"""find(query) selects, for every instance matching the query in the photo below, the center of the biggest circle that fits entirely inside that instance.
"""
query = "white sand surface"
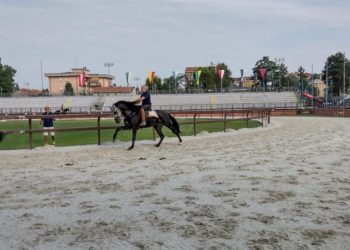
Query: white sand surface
(285, 186)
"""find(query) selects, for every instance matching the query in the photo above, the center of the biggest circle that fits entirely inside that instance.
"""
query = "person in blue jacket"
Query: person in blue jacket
(47, 123)
(145, 98)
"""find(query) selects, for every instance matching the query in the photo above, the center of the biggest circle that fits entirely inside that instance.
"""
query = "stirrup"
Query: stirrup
(143, 124)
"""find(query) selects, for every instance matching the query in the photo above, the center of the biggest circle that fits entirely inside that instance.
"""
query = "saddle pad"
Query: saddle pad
(152, 114)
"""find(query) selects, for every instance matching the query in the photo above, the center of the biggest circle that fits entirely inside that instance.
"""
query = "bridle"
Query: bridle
(117, 114)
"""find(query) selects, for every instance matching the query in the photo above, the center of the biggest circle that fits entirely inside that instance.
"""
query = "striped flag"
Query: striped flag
(82, 79)
(262, 72)
(128, 76)
(175, 73)
(242, 74)
(197, 74)
(221, 73)
(151, 76)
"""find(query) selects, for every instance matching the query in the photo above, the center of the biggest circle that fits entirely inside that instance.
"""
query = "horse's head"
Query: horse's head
(116, 112)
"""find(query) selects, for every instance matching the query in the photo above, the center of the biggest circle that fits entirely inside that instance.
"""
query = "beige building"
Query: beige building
(114, 90)
(248, 82)
(321, 86)
(58, 81)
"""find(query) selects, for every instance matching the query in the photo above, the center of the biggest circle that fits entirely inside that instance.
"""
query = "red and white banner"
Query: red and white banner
(81, 79)
(221, 73)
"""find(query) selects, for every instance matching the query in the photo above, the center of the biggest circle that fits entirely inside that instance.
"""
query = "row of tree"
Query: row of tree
(7, 80)
(266, 73)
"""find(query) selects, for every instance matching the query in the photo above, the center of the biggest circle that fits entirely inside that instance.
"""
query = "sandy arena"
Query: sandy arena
(285, 186)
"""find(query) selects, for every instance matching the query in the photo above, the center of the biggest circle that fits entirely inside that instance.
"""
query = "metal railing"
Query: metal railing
(180, 107)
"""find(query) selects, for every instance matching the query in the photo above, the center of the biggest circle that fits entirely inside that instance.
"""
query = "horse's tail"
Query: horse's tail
(2, 135)
(174, 123)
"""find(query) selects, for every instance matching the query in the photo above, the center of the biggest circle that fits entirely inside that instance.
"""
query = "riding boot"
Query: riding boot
(143, 118)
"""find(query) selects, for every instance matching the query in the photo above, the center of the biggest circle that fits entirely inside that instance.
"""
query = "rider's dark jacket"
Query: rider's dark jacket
(146, 102)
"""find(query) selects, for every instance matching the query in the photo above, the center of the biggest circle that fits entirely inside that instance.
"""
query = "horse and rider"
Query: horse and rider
(136, 117)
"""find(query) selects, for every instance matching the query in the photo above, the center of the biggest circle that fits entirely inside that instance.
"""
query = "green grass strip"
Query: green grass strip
(21, 141)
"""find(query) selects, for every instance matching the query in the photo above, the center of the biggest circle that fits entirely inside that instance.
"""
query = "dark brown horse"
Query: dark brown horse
(130, 113)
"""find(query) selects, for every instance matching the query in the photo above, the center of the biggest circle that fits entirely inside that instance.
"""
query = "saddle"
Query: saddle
(151, 113)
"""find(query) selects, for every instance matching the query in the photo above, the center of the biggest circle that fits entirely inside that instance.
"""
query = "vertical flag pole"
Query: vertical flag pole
(175, 87)
(221, 73)
(221, 85)
(344, 68)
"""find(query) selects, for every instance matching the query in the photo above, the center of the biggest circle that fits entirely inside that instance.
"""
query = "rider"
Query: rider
(145, 98)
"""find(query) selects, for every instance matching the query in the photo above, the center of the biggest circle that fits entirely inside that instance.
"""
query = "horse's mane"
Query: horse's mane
(129, 105)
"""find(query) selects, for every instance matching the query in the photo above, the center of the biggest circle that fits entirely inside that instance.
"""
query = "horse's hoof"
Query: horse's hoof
(130, 148)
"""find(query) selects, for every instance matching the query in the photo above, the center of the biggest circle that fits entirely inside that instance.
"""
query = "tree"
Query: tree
(336, 72)
(7, 82)
(302, 78)
(168, 83)
(276, 73)
(156, 84)
(68, 89)
(180, 82)
(301, 74)
(208, 79)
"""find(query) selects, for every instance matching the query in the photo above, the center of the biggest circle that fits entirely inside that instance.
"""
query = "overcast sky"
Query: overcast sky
(165, 35)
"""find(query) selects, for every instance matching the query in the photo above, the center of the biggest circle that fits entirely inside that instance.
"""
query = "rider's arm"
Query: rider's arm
(140, 99)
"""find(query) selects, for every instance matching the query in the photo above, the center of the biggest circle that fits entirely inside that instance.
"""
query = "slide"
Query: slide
(318, 101)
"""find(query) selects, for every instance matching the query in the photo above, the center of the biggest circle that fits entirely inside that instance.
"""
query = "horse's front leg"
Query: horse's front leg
(116, 132)
(134, 130)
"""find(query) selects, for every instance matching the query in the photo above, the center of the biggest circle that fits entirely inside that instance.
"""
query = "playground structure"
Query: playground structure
(319, 102)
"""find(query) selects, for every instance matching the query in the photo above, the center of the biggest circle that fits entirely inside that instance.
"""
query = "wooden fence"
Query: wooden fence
(263, 115)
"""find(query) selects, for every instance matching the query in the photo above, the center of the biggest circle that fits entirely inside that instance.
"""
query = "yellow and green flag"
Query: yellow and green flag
(151, 76)
(197, 75)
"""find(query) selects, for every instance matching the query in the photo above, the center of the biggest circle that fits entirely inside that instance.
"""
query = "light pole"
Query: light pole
(279, 61)
(108, 65)
(312, 84)
(344, 83)
(41, 75)
(327, 87)
(137, 79)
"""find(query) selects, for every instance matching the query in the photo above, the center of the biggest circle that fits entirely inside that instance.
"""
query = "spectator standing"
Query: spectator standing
(47, 123)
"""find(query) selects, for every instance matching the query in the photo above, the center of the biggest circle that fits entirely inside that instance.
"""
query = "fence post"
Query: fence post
(225, 121)
(30, 133)
(99, 130)
(247, 118)
(194, 124)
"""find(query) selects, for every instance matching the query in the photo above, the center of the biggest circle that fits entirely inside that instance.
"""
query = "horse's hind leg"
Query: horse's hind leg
(178, 136)
(175, 131)
(158, 128)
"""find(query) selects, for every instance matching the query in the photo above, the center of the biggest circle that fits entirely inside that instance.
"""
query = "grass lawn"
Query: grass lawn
(21, 141)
